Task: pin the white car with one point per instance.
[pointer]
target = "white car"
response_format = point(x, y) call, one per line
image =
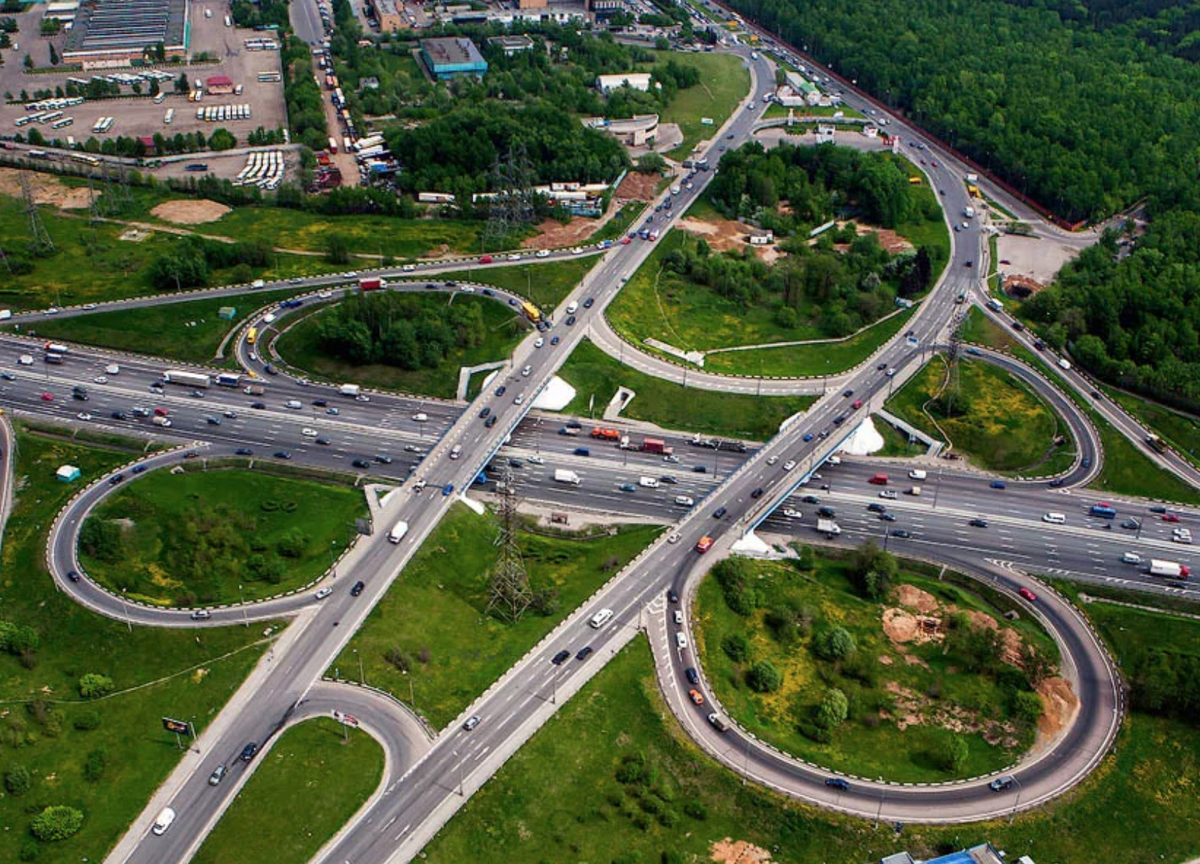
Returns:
point(514, 257)
point(467, 289)
point(525, 372)
point(323, 593)
point(419, 485)
point(535, 460)
point(789, 465)
point(83, 415)
point(578, 250)
point(674, 460)
point(420, 418)
point(519, 399)
point(25, 360)
point(324, 295)
point(100, 379)
point(772, 460)
point(681, 640)
point(112, 369)
point(679, 617)
point(684, 501)
point(543, 253)
point(674, 538)
point(792, 514)
point(890, 494)
point(408, 268)
point(362, 397)
point(539, 342)
point(308, 433)
point(53, 310)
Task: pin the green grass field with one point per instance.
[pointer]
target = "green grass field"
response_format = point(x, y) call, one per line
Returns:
point(865, 744)
point(433, 618)
point(534, 810)
point(595, 375)
point(180, 673)
point(309, 784)
point(545, 284)
point(190, 538)
point(300, 347)
point(620, 224)
point(1006, 426)
point(190, 331)
point(776, 111)
point(724, 82)
point(980, 329)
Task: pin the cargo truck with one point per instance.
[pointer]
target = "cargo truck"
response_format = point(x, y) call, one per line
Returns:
point(229, 379)
point(254, 390)
point(398, 532)
point(55, 348)
point(606, 434)
point(1168, 569)
point(186, 379)
point(370, 283)
point(657, 445)
point(562, 475)
point(828, 527)
point(350, 390)
point(969, 212)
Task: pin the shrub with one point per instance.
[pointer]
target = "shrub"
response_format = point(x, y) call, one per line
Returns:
point(763, 677)
point(18, 780)
point(833, 709)
point(292, 544)
point(97, 761)
point(30, 850)
point(834, 644)
point(951, 755)
point(56, 823)
point(87, 720)
point(93, 684)
point(695, 810)
point(1028, 706)
point(736, 647)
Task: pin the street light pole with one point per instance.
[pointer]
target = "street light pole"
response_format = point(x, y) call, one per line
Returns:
point(1016, 803)
point(125, 606)
point(362, 676)
point(937, 487)
point(242, 603)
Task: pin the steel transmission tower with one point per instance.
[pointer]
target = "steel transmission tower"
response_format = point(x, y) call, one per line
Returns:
point(39, 238)
point(508, 589)
point(953, 352)
point(512, 205)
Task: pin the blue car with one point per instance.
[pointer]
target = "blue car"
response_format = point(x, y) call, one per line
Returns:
point(998, 484)
point(837, 783)
point(808, 436)
point(448, 489)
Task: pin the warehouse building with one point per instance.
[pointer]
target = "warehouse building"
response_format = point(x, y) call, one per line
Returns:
point(112, 33)
point(218, 85)
point(636, 80)
point(449, 57)
point(390, 14)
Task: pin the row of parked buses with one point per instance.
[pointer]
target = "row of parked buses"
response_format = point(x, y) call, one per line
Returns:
point(103, 124)
point(221, 113)
point(263, 169)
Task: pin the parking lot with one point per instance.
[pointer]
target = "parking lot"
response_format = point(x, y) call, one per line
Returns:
point(140, 115)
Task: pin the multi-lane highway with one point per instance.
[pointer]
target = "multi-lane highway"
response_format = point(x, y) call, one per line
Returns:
point(397, 824)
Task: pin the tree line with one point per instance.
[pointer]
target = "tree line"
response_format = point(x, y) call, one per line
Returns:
point(399, 330)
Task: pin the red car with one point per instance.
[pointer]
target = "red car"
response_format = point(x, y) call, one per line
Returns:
point(696, 698)
point(857, 403)
point(485, 259)
point(1167, 517)
point(47, 397)
point(1027, 594)
point(625, 241)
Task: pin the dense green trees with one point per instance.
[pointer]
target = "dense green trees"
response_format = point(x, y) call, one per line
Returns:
point(188, 264)
point(399, 330)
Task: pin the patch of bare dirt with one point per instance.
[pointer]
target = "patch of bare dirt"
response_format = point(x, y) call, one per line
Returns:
point(885, 660)
point(729, 851)
point(910, 708)
point(190, 212)
point(553, 234)
point(47, 189)
point(1059, 704)
point(637, 187)
point(723, 235)
point(888, 239)
point(903, 627)
point(912, 597)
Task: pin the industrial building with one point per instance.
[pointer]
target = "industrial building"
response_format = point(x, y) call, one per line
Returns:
point(61, 10)
point(448, 57)
point(112, 33)
point(511, 45)
point(984, 853)
point(390, 14)
point(636, 80)
point(636, 131)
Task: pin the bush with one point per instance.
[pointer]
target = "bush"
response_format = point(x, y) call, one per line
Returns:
point(951, 755)
point(93, 685)
point(833, 709)
point(292, 544)
point(763, 677)
point(97, 761)
point(30, 850)
point(736, 647)
point(695, 810)
point(1028, 706)
point(834, 644)
point(18, 780)
point(56, 823)
point(87, 720)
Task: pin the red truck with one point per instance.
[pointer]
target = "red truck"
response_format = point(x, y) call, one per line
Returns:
point(657, 445)
point(704, 545)
point(370, 283)
point(606, 434)
point(879, 480)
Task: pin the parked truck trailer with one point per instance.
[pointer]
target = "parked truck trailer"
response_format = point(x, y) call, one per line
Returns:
point(187, 379)
point(1168, 569)
point(562, 475)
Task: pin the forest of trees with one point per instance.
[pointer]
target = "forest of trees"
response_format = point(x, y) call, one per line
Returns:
point(401, 330)
point(1165, 682)
point(1087, 106)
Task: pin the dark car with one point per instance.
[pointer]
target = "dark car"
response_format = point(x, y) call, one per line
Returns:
point(887, 516)
point(485, 412)
point(719, 513)
point(559, 658)
point(978, 523)
point(244, 451)
point(358, 588)
point(325, 442)
point(997, 484)
point(901, 533)
point(808, 436)
point(282, 454)
point(73, 575)
point(490, 422)
point(361, 463)
point(116, 478)
point(554, 341)
point(500, 390)
point(587, 304)
point(847, 393)
point(471, 723)
point(1000, 784)
point(699, 469)
point(880, 367)
point(876, 507)
point(320, 403)
point(382, 459)
point(827, 512)
point(1056, 482)
point(119, 415)
point(669, 479)
point(837, 783)
point(516, 463)
point(138, 469)
point(1132, 524)
point(258, 405)
point(248, 751)
point(692, 676)
point(570, 320)
point(672, 596)
point(584, 652)
point(1158, 508)
point(757, 493)
point(811, 499)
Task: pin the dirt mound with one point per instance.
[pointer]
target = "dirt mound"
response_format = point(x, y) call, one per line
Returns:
point(552, 234)
point(637, 187)
point(729, 851)
point(912, 597)
point(722, 235)
point(1060, 704)
point(47, 189)
point(190, 212)
point(902, 627)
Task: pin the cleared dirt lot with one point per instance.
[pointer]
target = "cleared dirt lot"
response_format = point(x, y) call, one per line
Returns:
point(1037, 258)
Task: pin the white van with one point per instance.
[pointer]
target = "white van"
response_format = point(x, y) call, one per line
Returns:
point(1131, 558)
point(917, 474)
point(455, 451)
point(1065, 364)
point(601, 618)
point(684, 501)
point(648, 482)
point(1054, 518)
point(5, 314)
point(420, 418)
point(681, 640)
point(398, 532)
point(163, 821)
point(572, 308)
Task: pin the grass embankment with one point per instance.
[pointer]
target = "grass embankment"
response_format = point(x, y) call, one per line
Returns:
point(545, 284)
point(300, 346)
point(201, 538)
point(433, 621)
point(980, 329)
point(533, 809)
point(1000, 423)
point(189, 331)
point(1179, 430)
point(181, 673)
point(621, 223)
point(724, 83)
point(895, 442)
point(904, 697)
point(594, 374)
point(775, 111)
point(309, 784)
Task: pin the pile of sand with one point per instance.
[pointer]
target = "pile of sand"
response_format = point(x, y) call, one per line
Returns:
point(912, 597)
point(729, 851)
point(1060, 706)
point(46, 188)
point(190, 212)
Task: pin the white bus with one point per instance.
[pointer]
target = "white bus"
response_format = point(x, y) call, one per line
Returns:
point(169, 116)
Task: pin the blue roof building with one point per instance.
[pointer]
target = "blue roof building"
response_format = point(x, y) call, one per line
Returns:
point(451, 56)
point(984, 853)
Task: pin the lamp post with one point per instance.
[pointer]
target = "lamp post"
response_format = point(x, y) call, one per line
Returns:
point(461, 793)
point(362, 676)
point(242, 603)
point(412, 699)
point(125, 606)
point(1017, 803)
